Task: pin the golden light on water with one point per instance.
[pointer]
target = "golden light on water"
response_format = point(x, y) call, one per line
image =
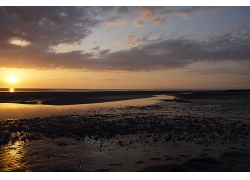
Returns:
point(11, 157)
point(12, 90)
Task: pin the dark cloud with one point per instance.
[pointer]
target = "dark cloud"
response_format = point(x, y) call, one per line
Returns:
point(45, 26)
point(167, 54)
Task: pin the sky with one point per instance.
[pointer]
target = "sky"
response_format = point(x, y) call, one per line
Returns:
point(125, 47)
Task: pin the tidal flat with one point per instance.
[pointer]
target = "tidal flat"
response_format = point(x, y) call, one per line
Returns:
point(193, 131)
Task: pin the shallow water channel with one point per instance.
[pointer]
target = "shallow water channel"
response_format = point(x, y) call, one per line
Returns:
point(17, 111)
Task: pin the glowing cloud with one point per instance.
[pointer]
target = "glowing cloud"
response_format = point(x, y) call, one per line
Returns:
point(19, 42)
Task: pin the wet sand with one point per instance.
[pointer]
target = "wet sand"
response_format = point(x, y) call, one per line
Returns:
point(130, 138)
point(232, 161)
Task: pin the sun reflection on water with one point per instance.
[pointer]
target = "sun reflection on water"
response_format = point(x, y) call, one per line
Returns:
point(12, 90)
point(11, 156)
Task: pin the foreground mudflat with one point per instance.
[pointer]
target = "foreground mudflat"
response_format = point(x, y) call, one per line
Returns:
point(131, 138)
point(233, 161)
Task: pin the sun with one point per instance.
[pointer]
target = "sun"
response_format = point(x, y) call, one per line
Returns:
point(12, 79)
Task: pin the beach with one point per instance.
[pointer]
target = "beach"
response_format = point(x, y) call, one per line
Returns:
point(193, 131)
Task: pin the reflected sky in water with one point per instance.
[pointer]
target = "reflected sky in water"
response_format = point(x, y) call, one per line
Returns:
point(15, 111)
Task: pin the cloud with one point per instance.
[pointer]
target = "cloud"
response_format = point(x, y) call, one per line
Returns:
point(101, 52)
point(111, 29)
point(96, 48)
point(114, 20)
point(18, 42)
point(104, 52)
point(186, 11)
point(133, 41)
point(158, 20)
point(165, 54)
point(44, 27)
point(122, 10)
point(114, 37)
point(138, 23)
point(152, 14)
point(28, 35)
point(147, 12)
point(159, 15)
point(220, 71)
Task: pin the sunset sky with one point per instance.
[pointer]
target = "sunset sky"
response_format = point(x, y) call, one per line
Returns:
point(200, 47)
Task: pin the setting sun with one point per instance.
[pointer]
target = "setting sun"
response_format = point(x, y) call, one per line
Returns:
point(12, 79)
